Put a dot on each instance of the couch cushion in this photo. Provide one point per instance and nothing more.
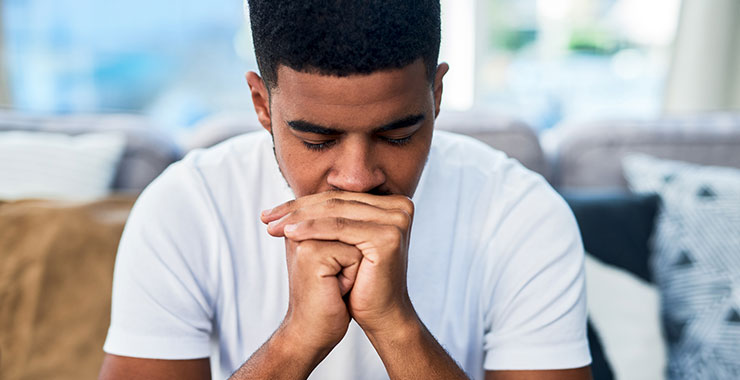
(589, 155)
(623, 306)
(625, 311)
(511, 136)
(696, 262)
(56, 270)
(616, 228)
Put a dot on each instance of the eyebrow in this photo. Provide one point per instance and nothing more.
(308, 127)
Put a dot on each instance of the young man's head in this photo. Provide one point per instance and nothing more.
(349, 90)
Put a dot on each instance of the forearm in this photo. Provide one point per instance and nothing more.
(281, 357)
(411, 352)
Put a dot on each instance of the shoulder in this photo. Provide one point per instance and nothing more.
(191, 190)
(484, 174)
(248, 148)
(243, 164)
(500, 201)
(461, 153)
(464, 151)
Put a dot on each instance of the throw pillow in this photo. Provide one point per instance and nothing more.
(58, 166)
(56, 273)
(616, 228)
(625, 310)
(696, 263)
(623, 305)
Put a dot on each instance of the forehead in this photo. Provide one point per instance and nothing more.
(379, 95)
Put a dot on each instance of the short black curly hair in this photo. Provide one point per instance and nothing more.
(344, 37)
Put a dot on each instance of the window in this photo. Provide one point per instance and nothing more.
(549, 61)
(545, 61)
(175, 60)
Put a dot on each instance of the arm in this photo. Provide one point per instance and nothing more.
(583, 373)
(411, 352)
(537, 311)
(123, 367)
(378, 228)
(320, 274)
(281, 357)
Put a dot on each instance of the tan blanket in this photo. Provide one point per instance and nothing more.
(56, 267)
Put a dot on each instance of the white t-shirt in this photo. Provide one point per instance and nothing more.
(495, 264)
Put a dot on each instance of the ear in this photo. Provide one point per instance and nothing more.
(260, 99)
(438, 76)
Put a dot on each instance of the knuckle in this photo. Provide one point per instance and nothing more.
(305, 248)
(340, 223)
(410, 208)
(401, 218)
(333, 203)
(290, 204)
(393, 234)
(404, 203)
(332, 194)
(294, 214)
(300, 250)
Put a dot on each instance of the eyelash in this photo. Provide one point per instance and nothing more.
(325, 145)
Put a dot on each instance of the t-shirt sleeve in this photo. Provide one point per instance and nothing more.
(535, 305)
(163, 291)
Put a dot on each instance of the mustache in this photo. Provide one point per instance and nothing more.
(380, 190)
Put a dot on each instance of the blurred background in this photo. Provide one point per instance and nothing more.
(545, 61)
(629, 108)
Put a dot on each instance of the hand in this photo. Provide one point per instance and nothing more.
(378, 227)
(320, 273)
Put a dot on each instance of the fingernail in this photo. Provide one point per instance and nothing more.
(266, 212)
(290, 227)
(272, 224)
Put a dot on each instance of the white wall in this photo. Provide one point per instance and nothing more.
(705, 72)
(4, 85)
(458, 50)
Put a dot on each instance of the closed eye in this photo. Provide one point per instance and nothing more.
(401, 141)
(319, 146)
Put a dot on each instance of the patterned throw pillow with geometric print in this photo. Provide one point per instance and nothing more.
(695, 262)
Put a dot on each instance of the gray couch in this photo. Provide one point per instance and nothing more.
(576, 157)
(583, 157)
(572, 157)
(588, 156)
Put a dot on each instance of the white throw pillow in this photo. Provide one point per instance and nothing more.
(625, 311)
(695, 263)
(58, 166)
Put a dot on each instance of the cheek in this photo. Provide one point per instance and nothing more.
(303, 172)
(404, 167)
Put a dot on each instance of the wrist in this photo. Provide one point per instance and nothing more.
(395, 328)
(283, 356)
(292, 344)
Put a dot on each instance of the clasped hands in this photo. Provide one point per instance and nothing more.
(346, 256)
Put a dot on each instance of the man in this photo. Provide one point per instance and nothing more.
(388, 251)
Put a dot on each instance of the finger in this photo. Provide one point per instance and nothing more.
(332, 259)
(337, 208)
(349, 258)
(348, 275)
(383, 201)
(371, 239)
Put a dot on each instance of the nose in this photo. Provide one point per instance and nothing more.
(356, 168)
